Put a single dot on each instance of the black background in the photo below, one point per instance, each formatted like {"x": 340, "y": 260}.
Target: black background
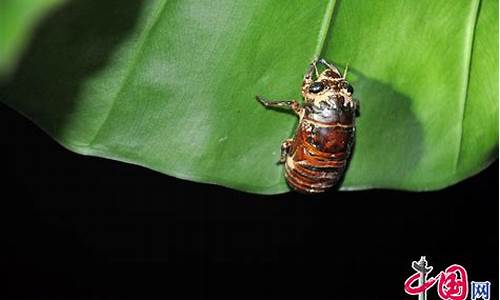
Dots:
{"x": 77, "y": 227}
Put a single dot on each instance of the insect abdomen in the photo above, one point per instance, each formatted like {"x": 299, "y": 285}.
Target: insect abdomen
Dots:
{"x": 318, "y": 156}
{"x": 304, "y": 179}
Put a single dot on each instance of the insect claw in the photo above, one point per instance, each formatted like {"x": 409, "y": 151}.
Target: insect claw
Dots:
{"x": 261, "y": 100}
{"x": 309, "y": 71}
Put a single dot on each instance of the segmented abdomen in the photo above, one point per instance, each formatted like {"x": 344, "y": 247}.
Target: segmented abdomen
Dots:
{"x": 318, "y": 156}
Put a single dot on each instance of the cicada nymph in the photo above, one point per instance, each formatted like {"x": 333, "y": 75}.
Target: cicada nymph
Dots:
{"x": 316, "y": 158}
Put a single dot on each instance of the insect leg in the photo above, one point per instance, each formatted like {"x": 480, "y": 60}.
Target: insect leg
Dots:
{"x": 357, "y": 107}
{"x": 345, "y": 71}
{"x": 284, "y": 104}
{"x": 285, "y": 148}
{"x": 330, "y": 66}
{"x": 312, "y": 68}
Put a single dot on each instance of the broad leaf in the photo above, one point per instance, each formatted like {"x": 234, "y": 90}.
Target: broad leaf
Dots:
{"x": 170, "y": 85}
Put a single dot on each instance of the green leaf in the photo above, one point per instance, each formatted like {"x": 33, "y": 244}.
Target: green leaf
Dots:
{"x": 170, "y": 85}
{"x": 17, "y": 19}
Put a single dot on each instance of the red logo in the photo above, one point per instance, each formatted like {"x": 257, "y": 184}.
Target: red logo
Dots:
{"x": 451, "y": 283}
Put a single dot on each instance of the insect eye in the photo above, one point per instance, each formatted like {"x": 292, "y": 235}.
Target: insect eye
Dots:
{"x": 347, "y": 87}
{"x": 316, "y": 87}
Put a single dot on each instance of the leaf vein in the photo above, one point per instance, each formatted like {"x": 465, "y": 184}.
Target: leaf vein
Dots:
{"x": 135, "y": 58}
{"x": 470, "y": 33}
{"x": 325, "y": 27}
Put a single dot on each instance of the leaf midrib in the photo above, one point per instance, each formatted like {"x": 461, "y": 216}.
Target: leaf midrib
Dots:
{"x": 325, "y": 28}
{"x": 135, "y": 58}
{"x": 469, "y": 35}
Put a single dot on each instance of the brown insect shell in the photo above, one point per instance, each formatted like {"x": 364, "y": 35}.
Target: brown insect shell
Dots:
{"x": 325, "y": 135}
{"x": 333, "y": 106}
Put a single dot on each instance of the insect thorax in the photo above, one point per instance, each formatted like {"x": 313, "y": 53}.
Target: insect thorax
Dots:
{"x": 331, "y": 111}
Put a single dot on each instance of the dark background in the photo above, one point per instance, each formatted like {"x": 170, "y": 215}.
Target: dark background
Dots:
{"x": 77, "y": 227}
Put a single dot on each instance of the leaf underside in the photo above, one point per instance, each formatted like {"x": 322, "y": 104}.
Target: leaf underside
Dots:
{"x": 170, "y": 85}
